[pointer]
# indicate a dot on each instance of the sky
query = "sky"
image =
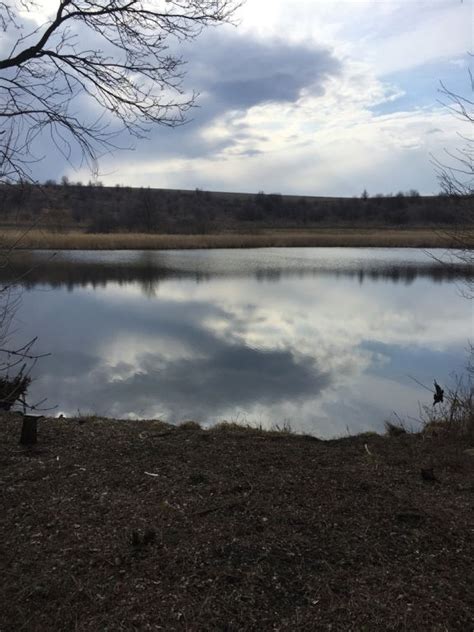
(311, 97)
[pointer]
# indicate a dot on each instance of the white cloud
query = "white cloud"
(330, 144)
(426, 33)
(291, 101)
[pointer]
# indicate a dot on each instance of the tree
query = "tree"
(111, 58)
(116, 56)
(455, 170)
(455, 173)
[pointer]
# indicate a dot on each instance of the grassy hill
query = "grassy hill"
(98, 209)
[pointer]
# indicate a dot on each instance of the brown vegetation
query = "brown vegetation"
(323, 237)
(143, 526)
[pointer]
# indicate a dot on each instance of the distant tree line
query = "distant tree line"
(95, 208)
(54, 272)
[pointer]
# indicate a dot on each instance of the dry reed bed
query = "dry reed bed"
(410, 238)
(142, 526)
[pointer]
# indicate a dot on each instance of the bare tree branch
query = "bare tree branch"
(455, 170)
(114, 53)
(455, 173)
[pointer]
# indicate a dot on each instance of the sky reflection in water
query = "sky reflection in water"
(323, 339)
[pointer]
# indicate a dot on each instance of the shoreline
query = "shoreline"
(37, 239)
(110, 525)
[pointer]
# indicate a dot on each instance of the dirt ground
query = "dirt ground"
(109, 526)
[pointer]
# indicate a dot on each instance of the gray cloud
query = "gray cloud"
(235, 72)
(245, 93)
(250, 153)
(230, 377)
(232, 72)
(69, 364)
(240, 71)
(217, 374)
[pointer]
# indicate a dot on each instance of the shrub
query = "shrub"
(455, 416)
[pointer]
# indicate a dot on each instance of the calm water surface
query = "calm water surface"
(323, 339)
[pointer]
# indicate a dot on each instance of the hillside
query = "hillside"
(99, 209)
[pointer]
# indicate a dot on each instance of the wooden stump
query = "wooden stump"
(29, 429)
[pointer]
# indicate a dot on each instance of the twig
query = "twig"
(421, 384)
(205, 512)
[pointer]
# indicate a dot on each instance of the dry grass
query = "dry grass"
(452, 418)
(141, 526)
(394, 429)
(327, 237)
(190, 425)
(455, 416)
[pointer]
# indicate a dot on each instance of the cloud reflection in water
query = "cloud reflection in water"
(306, 345)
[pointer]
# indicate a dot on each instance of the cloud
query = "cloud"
(293, 101)
(362, 131)
(248, 71)
(424, 33)
(69, 364)
(297, 349)
(233, 376)
(232, 72)
(182, 366)
(420, 87)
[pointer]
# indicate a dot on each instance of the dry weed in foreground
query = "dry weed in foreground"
(451, 413)
(328, 237)
(455, 415)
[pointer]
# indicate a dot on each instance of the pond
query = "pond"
(328, 341)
